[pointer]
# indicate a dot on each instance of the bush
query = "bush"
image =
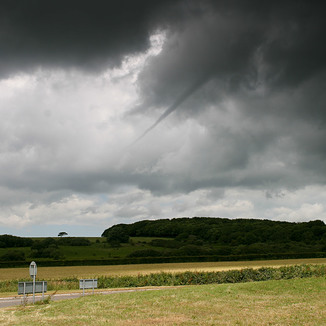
(116, 234)
(44, 244)
(195, 278)
(145, 253)
(7, 241)
(72, 241)
(192, 250)
(165, 243)
(13, 255)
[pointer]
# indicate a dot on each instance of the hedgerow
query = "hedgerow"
(186, 278)
(231, 276)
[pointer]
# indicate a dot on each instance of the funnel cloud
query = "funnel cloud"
(242, 84)
(179, 101)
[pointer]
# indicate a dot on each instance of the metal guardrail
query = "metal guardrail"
(27, 287)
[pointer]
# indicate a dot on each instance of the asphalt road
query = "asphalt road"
(19, 299)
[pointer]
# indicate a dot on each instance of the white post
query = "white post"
(24, 293)
(34, 289)
(83, 287)
(32, 273)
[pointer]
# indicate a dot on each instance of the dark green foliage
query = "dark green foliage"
(119, 229)
(145, 253)
(116, 234)
(70, 241)
(166, 243)
(45, 243)
(50, 252)
(46, 248)
(196, 278)
(13, 255)
(164, 259)
(232, 236)
(192, 250)
(10, 241)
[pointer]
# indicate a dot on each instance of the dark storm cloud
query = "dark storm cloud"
(231, 41)
(84, 34)
(206, 39)
(217, 49)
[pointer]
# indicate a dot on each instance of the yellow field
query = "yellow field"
(48, 273)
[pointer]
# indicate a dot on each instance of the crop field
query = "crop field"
(45, 273)
(122, 270)
(58, 273)
(284, 302)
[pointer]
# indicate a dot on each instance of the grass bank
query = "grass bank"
(284, 302)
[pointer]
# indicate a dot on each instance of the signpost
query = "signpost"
(32, 273)
(32, 287)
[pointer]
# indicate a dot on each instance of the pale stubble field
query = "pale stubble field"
(46, 273)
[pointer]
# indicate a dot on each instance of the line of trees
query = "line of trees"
(41, 248)
(223, 236)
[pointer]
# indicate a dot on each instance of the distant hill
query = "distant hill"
(248, 235)
(172, 240)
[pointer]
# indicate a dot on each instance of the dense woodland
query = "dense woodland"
(221, 236)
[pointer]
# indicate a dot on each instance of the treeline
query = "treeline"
(42, 248)
(225, 231)
(219, 236)
(11, 241)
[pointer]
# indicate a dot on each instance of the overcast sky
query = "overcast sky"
(117, 111)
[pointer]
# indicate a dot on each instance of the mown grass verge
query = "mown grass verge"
(185, 278)
(285, 302)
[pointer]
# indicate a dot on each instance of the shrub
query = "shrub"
(13, 255)
(7, 241)
(165, 243)
(232, 276)
(145, 253)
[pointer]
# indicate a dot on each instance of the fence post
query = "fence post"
(24, 293)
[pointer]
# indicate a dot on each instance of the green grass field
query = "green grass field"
(99, 249)
(285, 302)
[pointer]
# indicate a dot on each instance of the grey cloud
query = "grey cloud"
(239, 86)
(239, 45)
(73, 33)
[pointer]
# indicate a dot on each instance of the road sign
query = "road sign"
(32, 269)
(32, 273)
(88, 284)
(27, 287)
